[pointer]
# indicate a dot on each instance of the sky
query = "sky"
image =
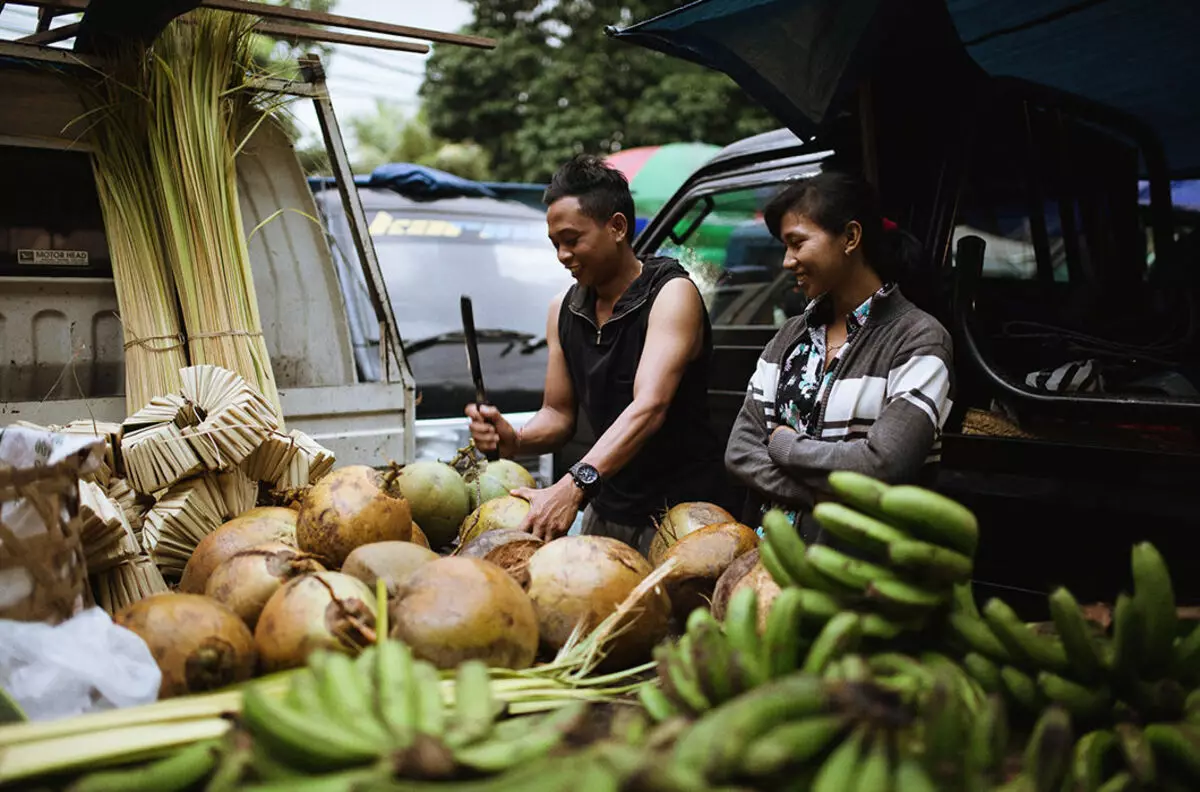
(357, 75)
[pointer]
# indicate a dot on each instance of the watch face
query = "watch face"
(587, 474)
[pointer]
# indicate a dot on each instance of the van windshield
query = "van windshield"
(506, 265)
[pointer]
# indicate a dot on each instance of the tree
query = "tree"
(556, 85)
(389, 135)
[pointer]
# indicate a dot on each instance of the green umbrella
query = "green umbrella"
(656, 172)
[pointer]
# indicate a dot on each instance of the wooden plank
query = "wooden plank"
(301, 33)
(352, 23)
(51, 36)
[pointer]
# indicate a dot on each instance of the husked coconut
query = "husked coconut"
(498, 514)
(759, 579)
(257, 526)
(456, 609)
(419, 537)
(679, 521)
(392, 561)
(198, 643)
(513, 558)
(488, 541)
(246, 581)
(496, 479)
(350, 507)
(700, 559)
(583, 579)
(730, 578)
(323, 610)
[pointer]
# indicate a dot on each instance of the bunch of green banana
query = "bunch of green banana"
(905, 548)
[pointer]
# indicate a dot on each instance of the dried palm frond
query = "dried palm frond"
(186, 513)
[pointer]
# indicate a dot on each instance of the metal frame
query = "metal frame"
(394, 365)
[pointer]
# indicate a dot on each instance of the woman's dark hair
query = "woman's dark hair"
(832, 200)
(602, 190)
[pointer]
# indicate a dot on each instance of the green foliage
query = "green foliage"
(556, 85)
(389, 135)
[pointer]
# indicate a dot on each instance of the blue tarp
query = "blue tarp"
(416, 182)
(797, 57)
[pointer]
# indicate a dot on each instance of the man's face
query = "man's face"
(817, 257)
(588, 249)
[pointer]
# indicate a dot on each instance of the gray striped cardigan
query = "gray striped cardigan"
(882, 415)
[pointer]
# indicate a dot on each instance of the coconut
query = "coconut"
(244, 582)
(392, 561)
(324, 610)
(257, 526)
(681, 520)
(350, 507)
(582, 579)
(456, 609)
(730, 578)
(496, 479)
(485, 543)
(419, 537)
(498, 514)
(198, 643)
(438, 498)
(759, 579)
(701, 557)
(513, 557)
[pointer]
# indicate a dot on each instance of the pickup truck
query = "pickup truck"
(61, 342)
(982, 123)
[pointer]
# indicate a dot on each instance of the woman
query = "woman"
(861, 379)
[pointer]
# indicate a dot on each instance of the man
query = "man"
(629, 343)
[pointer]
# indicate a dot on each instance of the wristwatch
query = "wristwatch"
(587, 478)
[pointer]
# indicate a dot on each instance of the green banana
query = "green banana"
(840, 635)
(858, 491)
(236, 756)
(741, 629)
(932, 517)
(301, 739)
(1084, 703)
(894, 663)
(711, 655)
(911, 777)
(1047, 754)
(946, 727)
(857, 529)
(833, 672)
(875, 772)
(1185, 658)
(1082, 650)
(770, 561)
(782, 644)
(395, 690)
(431, 709)
(987, 742)
(1021, 688)
(1139, 756)
(1090, 760)
(789, 551)
(839, 772)
(494, 756)
(903, 596)
(983, 671)
(346, 698)
(683, 676)
(1040, 651)
(976, 634)
(929, 561)
(855, 669)
(791, 744)
(1155, 596)
(1176, 745)
(880, 627)
(964, 601)
(474, 704)
(1120, 782)
(1127, 627)
(1191, 707)
(853, 573)
(716, 743)
(656, 702)
(177, 772)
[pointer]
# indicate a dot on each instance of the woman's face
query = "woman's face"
(820, 260)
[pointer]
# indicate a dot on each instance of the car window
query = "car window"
(723, 242)
(507, 267)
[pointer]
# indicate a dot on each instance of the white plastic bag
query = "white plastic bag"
(85, 664)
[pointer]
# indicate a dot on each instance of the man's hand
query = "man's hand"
(491, 430)
(552, 510)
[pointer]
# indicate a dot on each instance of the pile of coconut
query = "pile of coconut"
(273, 585)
